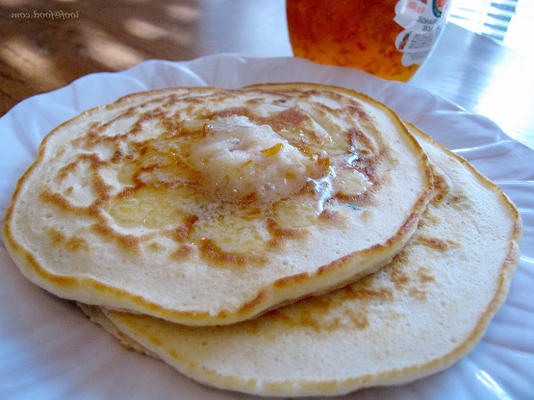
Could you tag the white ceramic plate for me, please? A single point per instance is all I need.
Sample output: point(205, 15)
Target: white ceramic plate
point(48, 350)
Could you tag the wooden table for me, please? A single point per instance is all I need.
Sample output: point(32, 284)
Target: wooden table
point(46, 45)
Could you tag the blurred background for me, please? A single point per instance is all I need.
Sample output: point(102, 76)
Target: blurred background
point(510, 22)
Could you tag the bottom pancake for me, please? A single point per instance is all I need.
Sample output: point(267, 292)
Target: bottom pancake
point(416, 316)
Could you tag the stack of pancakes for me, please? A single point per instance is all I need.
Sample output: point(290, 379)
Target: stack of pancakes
point(280, 239)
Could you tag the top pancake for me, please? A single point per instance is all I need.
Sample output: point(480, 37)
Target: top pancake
point(209, 206)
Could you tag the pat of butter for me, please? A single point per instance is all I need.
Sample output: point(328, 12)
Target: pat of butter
point(241, 161)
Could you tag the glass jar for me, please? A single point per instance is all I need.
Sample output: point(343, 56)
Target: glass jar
point(388, 38)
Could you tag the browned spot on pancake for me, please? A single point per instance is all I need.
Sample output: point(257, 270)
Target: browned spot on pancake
point(459, 201)
point(73, 243)
point(127, 242)
point(322, 304)
point(323, 269)
point(213, 253)
point(273, 315)
point(359, 319)
point(358, 141)
point(332, 216)
point(76, 243)
point(398, 276)
point(157, 114)
point(56, 236)
point(95, 135)
point(365, 214)
point(308, 319)
point(441, 189)
point(398, 259)
point(59, 201)
point(172, 126)
point(287, 119)
point(59, 152)
point(424, 275)
point(149, 166)
point(182, 233)
point(290, 279)
point(322, 314)
point(128, 113)
point(101, 187)
point(184, 251)
point(357, 292)
point(67, 169)
point(417, 293)
point(278, 234)
point(322, 165)
point(254, 101)
point(278, 121)
point(366, 162)
point(422, 223)
point(260, 297)
point(167, 100)
point(357, 111)
point(359, 199)
point(93, 160)
point(248, 199)
point(277, 231)
point(129, 191)
point(433, 219)
point(155, 247)
point(230, 112)
point(435, 243)
point(117, 157)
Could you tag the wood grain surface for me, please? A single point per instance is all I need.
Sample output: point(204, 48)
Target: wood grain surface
point(47, 44)
point(40, 53)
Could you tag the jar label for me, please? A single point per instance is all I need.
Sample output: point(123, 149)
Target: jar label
point(423, 21)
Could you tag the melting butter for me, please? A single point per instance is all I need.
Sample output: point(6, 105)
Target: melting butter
point(239, 161)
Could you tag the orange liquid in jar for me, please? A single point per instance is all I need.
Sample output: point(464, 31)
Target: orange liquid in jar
point(355, 33)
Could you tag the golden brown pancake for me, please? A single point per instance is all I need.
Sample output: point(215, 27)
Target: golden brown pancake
point(417, 315)
point(209, 206)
